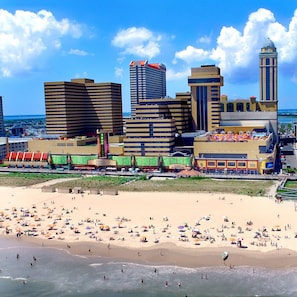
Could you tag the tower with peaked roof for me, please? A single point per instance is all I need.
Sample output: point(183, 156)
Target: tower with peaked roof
point(268, 72)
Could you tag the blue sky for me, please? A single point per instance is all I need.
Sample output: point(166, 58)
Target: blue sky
point(56, 40)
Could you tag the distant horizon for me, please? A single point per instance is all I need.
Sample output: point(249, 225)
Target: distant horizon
point(126, 112)
point(40, 115)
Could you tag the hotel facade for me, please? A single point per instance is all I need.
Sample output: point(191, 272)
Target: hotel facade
point(205, 83)
point(82, 107)
point(244, 141)
point(147, 81)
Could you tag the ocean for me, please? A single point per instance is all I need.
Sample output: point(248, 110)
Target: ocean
point(60, 274)
point(284, 116)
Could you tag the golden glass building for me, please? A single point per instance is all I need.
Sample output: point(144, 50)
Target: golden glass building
point(205, 83)
point(82, 107)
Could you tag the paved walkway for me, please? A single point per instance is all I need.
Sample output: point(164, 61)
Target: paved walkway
point(52, 182)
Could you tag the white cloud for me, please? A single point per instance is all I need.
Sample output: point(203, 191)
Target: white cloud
point(204, 39)
point(140, 42)
point(192, 54)
point(236, 52)
point(80, 75)
point(119, 72)
point(176, 75)
point(77, 52)
point(25, 36)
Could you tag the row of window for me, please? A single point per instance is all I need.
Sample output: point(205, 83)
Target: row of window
point(228, 164)
point(239, 106)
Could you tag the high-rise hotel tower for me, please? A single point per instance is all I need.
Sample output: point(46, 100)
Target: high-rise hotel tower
point(205, 83)
point(81, 107)
point(147, 81)
point(268, 72)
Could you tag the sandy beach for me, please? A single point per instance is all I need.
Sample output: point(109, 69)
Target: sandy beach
point(184, 229)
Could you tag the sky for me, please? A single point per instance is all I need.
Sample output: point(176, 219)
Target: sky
point(57, 40)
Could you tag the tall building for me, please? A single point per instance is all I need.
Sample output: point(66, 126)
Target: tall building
point(245, 141)
point(205, 83)
point(82, 107)
point(147, 81)
point(166, 108)
point(2, 129)
point(268, 72)
point(149, 137)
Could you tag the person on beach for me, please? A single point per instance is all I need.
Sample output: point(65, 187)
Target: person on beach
point(166, 284)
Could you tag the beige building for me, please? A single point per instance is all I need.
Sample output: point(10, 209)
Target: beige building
point(167, 108)
point(12, 145)
point(149, 137)
point(205, 83)
point(246, 151)
point(78, 145)
point(81, 107)
point(249, 113)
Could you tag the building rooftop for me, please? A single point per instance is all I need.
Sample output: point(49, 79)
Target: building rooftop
point(268, 44)
point(237, 137)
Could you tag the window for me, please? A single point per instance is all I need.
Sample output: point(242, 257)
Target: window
point(231, 164)
point(239, 106)
point(221, 164)
point(211, 163)
point(252, 165)
point(241, 164)
point(230, 107)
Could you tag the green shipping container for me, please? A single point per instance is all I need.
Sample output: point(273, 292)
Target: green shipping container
point(147, 161)
point(59, 159)
point(122, 161)
point(82, 159)
point(167, 161)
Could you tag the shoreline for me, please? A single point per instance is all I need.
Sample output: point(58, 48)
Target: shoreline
point(179, 229)
point(168, 254)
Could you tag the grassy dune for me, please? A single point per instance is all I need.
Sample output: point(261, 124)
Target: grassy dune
point(141, 184)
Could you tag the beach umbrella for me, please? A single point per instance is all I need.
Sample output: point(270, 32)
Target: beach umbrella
point(196, 241)
point(143, 239)
point(232, 239)
point(106, 228)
